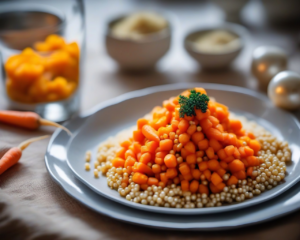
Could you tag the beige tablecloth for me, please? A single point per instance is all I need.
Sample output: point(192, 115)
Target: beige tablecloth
point(33, 206)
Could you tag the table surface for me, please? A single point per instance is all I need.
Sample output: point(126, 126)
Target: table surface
point(49, 212)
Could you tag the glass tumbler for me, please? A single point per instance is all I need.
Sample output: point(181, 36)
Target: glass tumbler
point(41, 53)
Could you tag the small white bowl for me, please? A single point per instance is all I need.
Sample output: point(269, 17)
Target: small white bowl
point(215, 60)
point(137, 55)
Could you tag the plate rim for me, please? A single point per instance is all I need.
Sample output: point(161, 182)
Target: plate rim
point(178, 86)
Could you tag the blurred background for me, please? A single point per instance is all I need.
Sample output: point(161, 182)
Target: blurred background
point(269, 23)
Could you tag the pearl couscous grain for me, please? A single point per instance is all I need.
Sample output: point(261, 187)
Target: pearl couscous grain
point(273, 157)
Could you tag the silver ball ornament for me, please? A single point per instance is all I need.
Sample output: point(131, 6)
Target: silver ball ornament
point(267, 61)
point(284, 90)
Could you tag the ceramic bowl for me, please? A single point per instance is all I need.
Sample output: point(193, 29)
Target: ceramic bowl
point(215, 60)
point(140, 54)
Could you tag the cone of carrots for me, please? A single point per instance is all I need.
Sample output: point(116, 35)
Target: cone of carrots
point(28, 120)
point(13, 155)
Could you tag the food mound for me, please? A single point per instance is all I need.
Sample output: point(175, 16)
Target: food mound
point(49, 73)
point(190, 154)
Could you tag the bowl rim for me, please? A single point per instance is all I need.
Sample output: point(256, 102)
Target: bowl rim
point(153, 37)
point(237, 29)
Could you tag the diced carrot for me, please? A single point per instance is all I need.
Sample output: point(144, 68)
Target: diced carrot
point(185, 186)
point(141, 122)
point(152, 146)
point(221, 172)
point(192, 128)
point(236, 165)
point(196, 174)
point(143, 168)
point(171, 173)
point(163, 177)
point(203, 189)
point(159, 161)
point(144, 186)
point(172, 135)
point(236, 153)
point(214, 133)
point(184, 153)
point(220, 128)
point(200, 115)
point(220, 113)
point(156, 168)
point(213, 165)
point(213, 188)
point(207, 174)
point(139, 178)
point(222, 154)
point(206, 124)
point(190, 147)
point(251, 135)
point(170, 161)
point(200, 154)
point(188, 118)
point(188, 176)
point(136, 147)
point(232, 180)
point(191, 158)
point(221, 186)
point(166, 145)
point(130, 161)
point(184, 138)
point(125, 144)
point(216, 179)
point(150, 133)
point(145, 158)
point(235, 125)
point(214, 120)
point(169, 105)
point(248, 151)
point(121, 153)
point(210, 153)
point(138, 136)
point(242, 151)
point(197, 137)
point(162, 184)
point(240, 174)
point(203, 166)
point(194, 186)
point(203, 144)
point(229, 150)
point(224, 165)
point(183, 125)
point(161, 122)
point(255, 145)
point(175, 124)
point(252, 161)
point(176, 180)
point(118, 162)
point(152, 181)
point(228, 159)
point(249, 171)
point(161, 154)
point(144, 149)
point(215, 145)
point(184, 169)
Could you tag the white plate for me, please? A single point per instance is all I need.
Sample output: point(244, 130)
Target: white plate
point(122, 112)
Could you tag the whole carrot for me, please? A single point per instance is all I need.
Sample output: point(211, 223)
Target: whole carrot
point(13, 155)
point(29, 120)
